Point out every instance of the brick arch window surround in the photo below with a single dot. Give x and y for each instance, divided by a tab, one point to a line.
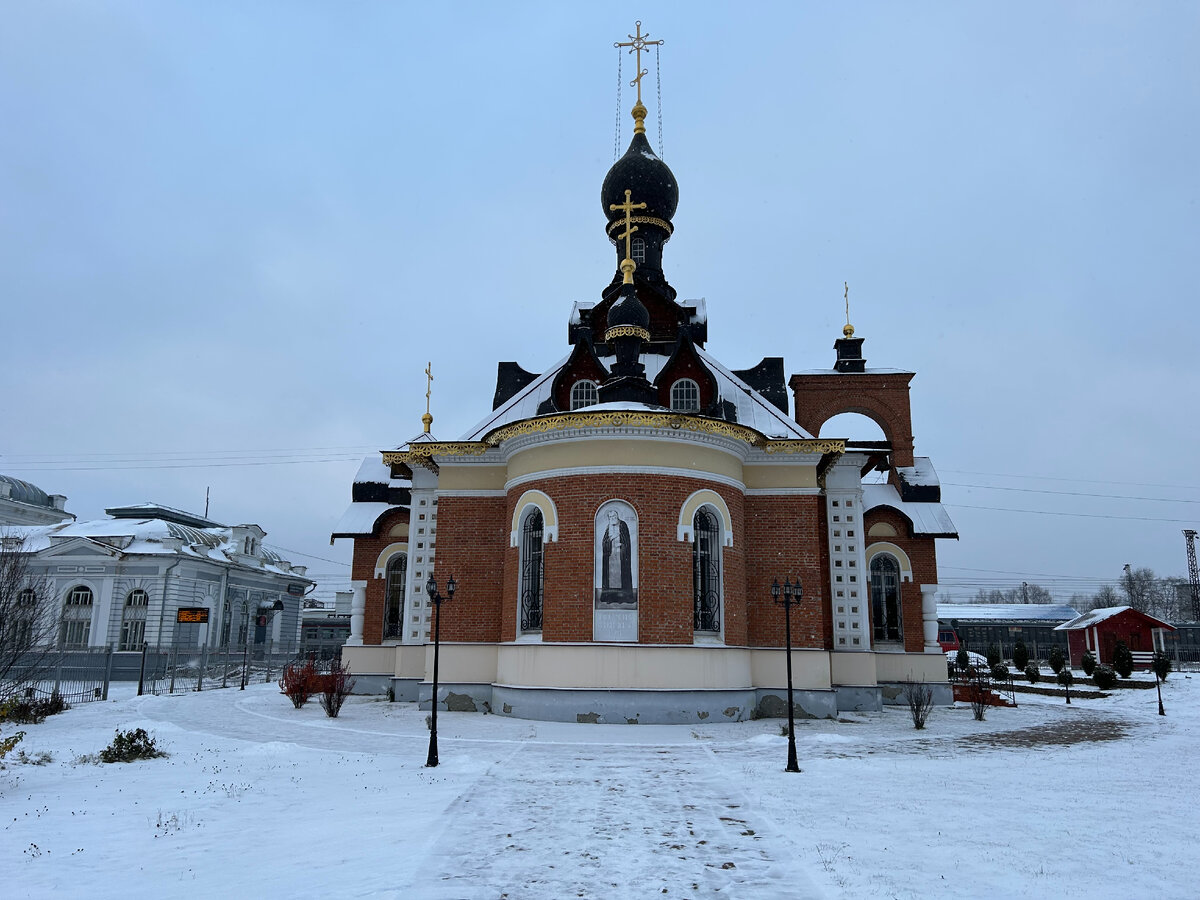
393	594
706	570
886	624
532	587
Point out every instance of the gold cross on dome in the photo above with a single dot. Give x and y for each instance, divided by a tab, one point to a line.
428	383
636	44
628	207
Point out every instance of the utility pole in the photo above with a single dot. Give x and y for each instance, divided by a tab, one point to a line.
1189	537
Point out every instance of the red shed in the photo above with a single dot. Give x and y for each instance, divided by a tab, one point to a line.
1100	629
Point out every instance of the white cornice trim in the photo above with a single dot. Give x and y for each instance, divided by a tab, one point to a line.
734	447
784	492
474	492
624	470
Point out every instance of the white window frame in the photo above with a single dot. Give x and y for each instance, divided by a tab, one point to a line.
578	400
685	391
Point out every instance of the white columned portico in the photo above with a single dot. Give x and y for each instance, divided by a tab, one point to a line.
358	609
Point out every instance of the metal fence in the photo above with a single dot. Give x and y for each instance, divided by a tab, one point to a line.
80	676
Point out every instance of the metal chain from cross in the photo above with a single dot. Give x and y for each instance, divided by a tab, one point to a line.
636	44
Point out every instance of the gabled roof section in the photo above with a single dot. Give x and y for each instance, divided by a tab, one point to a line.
928	519
751	408
1006	612
1096	616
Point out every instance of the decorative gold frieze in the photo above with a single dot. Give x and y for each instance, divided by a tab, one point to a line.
645	220
619	331
422	454
805	446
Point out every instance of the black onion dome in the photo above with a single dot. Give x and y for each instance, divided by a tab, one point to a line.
647	177
628	310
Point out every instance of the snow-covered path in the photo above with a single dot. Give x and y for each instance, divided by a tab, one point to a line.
259	798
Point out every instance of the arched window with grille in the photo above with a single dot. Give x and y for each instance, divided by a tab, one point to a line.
886	623
77	617
685	396
706	571
584	393
532	585
393	604
133	620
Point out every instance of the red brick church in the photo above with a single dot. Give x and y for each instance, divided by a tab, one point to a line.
615	523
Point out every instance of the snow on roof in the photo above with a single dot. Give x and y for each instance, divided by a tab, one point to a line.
920	473
521	405
1095	616
1006	612
153	536
373	471
360	518
753	410
930	519
836	373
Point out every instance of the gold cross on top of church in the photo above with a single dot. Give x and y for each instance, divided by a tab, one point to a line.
848	331
427	419
636	44
627	264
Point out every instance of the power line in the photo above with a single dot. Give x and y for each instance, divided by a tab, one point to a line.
1076	480
990	487
1046	512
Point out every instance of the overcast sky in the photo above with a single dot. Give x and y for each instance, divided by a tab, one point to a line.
232	234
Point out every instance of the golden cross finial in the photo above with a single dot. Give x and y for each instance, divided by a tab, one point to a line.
427	419
636	44
848	331
627	264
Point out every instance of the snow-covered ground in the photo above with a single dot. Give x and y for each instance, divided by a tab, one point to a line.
1096	799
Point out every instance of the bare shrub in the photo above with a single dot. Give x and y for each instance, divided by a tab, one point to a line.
336	685
919	697
299	682
979	691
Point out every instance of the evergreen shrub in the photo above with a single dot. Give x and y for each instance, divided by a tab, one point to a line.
1088	663
1162	665
1122	660
1020	656
1104	677
1000	672
993	655
1057	660
1032	673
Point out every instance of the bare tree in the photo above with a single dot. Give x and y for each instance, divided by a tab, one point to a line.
1025	592
1106	597
919	697
29	618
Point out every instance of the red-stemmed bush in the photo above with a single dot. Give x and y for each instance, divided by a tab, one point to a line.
336	685
299	682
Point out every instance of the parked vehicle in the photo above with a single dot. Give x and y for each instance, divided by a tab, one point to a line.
947	638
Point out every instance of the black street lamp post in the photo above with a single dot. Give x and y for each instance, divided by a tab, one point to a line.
431	591
786	602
